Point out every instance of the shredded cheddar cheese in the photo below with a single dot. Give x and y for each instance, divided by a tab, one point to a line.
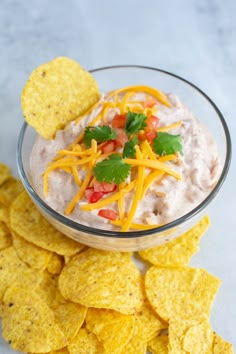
135	226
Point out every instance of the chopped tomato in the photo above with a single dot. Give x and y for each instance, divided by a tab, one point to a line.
92	196
141	136
88	193
150	136
152	123
104	187
108	214
121	138
149	102
108	147
119	121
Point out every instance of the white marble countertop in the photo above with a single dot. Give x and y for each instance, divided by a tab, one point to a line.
194	39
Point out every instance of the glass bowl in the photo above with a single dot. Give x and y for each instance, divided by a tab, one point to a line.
110	78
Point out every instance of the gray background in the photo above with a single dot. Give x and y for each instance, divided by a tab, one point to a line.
194	39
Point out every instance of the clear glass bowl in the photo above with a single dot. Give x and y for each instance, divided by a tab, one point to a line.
198	102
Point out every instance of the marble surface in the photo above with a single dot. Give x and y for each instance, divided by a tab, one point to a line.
194	39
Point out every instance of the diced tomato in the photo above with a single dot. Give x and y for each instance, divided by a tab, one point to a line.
88	193
108	147
149	102
119	121
108	214
152	123
141	136
92	196
104	187
150	136
121	138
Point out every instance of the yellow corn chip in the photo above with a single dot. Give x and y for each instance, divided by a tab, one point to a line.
220	346
5	215
5	172
28	323
12	269
9	190
179	251
137	343
190	336
55	264
56	93
85	343
49	290
60	351
159	344
37	230
151	322
70	317
103	279
5	236
34	256
112	328
174	292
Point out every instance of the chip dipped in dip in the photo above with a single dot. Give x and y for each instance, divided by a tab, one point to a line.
134	161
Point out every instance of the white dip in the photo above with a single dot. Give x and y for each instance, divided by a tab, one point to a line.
164	202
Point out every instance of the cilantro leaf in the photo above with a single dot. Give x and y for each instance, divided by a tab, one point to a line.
166	144
99	133
129	150
113	169
135	122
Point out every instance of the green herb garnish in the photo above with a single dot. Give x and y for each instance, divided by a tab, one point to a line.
135	122
99	133
166	144
113	169
129	150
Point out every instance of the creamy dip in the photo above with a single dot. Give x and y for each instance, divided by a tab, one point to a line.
165	201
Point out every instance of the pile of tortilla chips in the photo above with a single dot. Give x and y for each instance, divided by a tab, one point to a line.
58	296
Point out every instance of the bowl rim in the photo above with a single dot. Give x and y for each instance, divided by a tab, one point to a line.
131	234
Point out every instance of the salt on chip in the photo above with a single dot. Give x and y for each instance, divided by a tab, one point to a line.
5	173
5	236
85	343
137	343
56	93
36	257
159	344
179	251
12	269
28	323
37	230
173	291
151	322
70	317
220	346
55	264
112	328
103	279
9	190
190	336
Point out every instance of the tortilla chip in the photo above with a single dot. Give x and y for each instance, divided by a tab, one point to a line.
56	93
84	343
70	317
49	290
159	344
55	264
137	343
5	173
37	230
28	323
12	270
112	328
5	236
5	215
102	279
151	322
9	190
190	336
220	346
36	257
173	292
179	251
